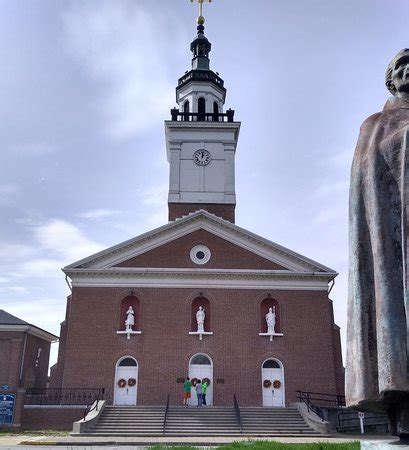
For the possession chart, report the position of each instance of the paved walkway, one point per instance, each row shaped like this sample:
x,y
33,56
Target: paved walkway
x,y
125,443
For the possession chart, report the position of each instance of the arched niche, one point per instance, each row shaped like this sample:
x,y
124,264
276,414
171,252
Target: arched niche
x,y
204,302
267,303
130,300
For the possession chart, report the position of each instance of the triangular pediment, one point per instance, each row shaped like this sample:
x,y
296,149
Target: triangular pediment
x,y
232,248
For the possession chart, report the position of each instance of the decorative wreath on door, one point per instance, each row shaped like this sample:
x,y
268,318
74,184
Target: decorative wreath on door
x,y
122,383
266,383
131,382
276,384
206,380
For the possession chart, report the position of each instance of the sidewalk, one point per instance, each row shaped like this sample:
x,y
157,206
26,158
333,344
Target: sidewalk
x,y
61,442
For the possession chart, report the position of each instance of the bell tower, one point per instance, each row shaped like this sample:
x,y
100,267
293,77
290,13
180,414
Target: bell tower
x,y
201,140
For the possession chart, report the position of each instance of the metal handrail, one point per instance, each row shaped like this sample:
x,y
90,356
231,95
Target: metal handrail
x,y
97,399
61,396
237,411
333,399
304,397
166,415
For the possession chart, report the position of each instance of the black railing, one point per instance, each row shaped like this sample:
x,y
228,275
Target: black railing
x,y
99,396
64,396
237,411
349,421
201,75
315,401
166,415
179,116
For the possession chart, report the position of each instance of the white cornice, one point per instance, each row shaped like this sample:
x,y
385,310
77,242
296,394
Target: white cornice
x,y
31,329
185,278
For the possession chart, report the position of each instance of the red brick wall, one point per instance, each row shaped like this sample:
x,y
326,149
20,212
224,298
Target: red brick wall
x,y
51,418
177,210
11,349
56,374
164,348
224,255
36,369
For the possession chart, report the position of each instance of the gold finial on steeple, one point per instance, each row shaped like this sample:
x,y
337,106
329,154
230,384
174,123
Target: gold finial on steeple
x,y
201,19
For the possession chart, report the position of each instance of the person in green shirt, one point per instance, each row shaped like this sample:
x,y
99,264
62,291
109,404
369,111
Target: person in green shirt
x,y
187,386
204,389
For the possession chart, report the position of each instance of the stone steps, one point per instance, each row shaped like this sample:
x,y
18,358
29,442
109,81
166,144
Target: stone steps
x,y
205,421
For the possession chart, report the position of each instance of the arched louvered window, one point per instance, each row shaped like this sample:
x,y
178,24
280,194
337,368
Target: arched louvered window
x,y
201,109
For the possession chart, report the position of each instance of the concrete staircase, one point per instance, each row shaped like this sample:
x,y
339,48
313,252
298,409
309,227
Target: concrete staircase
x,y
129,421
206,421
274,422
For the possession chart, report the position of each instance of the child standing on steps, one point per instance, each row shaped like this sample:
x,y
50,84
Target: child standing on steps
x,y
187,386
204,389
199,393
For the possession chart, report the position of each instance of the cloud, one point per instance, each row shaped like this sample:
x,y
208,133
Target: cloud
x,y
18,289
11,252
8,193
34,149
52,245
65,241
96,214
117,44
43,267
156,196
154,199
332,187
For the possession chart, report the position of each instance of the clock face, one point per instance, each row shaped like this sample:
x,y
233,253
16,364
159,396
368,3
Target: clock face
x,y
202,157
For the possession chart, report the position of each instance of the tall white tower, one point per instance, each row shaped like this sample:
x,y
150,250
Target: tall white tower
x,y
201,140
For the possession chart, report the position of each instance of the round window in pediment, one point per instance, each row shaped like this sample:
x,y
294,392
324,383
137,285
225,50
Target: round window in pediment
x,y
200,254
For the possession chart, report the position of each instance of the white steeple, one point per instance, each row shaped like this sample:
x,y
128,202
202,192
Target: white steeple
x,y
201,140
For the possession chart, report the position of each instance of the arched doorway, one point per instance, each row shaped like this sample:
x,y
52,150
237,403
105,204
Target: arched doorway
x,y
272,384
126,381
201,366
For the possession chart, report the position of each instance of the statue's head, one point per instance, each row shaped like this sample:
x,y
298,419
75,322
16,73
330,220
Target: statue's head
x,y
397,73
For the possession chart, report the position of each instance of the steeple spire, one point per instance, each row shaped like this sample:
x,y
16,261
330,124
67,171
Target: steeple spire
x,y
200,46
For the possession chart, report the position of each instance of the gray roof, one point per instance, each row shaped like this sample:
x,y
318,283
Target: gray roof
x,y
9,319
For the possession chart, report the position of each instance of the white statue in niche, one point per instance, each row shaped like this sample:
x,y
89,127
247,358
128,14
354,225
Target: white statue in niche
x,y
271,320
200,318
130,319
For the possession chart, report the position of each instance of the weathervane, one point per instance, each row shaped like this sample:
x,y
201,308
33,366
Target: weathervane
x,y
201,19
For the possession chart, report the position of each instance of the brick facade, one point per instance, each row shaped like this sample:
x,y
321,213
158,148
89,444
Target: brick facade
x,y
20,350
51,418
225,211
163,350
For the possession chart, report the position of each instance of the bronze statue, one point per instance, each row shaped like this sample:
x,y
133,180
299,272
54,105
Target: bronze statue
x,y
377,370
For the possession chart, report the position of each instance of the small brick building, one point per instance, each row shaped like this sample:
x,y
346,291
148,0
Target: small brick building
x,y
200,258
24,358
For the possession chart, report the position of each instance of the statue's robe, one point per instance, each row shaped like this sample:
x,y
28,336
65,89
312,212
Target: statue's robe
x,y
377,332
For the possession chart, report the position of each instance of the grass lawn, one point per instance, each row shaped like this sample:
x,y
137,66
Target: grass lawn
x,y
34,433
271,445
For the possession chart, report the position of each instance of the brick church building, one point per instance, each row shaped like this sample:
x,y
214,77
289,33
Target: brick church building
x,y
200,296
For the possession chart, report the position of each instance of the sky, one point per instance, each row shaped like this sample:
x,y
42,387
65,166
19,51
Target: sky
x,y
86,85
